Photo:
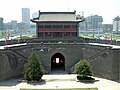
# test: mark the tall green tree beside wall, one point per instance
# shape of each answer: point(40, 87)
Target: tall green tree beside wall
point(83, 68)
point(33, 69)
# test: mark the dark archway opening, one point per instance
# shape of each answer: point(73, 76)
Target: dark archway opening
point(58, 62)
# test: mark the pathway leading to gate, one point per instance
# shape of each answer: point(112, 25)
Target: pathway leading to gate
point(59, 81)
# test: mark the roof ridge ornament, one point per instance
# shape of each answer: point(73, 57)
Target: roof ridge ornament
point(37, 18)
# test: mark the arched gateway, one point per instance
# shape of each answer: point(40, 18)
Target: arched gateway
point(57, 62)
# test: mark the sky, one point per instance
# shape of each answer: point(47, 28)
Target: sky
point(108, 9)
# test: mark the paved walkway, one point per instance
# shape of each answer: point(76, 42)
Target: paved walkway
point(59, 81)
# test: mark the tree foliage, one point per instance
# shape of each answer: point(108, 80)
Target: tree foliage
point(83, 68)
point(33, 69)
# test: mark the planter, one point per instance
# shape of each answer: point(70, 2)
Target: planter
point(86, 79)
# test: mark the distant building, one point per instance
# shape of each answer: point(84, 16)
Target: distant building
point(93, 22)
point(22, 26)
point(34, 15)
point(11, 25)
point(116, 24)
point(57, 24)
point(8, 25)
point(26, 16)
point(1, 24)
point(14, 24)
point(107, 27)
point(15, 27)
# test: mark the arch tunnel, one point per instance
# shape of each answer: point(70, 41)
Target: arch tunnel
point(58, 62)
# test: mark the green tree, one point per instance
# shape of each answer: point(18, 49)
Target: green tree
point(83, 68)
point(33, 69)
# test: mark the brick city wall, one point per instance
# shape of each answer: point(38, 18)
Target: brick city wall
point(104, 60)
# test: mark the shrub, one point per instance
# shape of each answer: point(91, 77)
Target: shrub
point(83, 68)
point(32, 69)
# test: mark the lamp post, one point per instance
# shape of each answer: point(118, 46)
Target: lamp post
point(111, 39)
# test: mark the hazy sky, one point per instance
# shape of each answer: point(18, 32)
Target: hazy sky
point(11, 9)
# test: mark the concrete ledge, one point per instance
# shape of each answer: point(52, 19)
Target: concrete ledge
point(25, 81)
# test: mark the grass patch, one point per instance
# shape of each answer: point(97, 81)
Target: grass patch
point(65, 89)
